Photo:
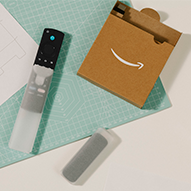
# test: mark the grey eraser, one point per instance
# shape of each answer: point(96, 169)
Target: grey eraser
point(87, 155)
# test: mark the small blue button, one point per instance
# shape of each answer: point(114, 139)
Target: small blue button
point(52, 37)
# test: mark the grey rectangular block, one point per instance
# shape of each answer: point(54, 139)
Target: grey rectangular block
point(86, 155)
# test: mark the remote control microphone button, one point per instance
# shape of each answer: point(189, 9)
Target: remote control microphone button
point(52, 37)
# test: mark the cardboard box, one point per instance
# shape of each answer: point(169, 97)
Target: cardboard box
point(129, 53)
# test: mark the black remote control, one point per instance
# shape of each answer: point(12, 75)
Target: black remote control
point(32, 105)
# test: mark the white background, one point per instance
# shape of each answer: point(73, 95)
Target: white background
point(159, 143)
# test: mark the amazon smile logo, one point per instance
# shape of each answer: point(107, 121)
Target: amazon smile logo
point(139, 64)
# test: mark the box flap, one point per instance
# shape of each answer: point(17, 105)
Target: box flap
point(147, 20)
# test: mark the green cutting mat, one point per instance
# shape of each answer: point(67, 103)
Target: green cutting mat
point(75, 108)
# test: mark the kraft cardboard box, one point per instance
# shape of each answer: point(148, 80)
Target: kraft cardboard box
point(129, 53)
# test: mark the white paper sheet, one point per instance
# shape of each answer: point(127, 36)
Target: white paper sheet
point(121, 178)
point(17, 54)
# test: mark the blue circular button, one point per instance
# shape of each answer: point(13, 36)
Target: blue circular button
point(52, 37)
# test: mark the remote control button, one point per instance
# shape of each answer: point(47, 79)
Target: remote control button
point(41, 90)
point(48, 49)
point(39, 95)
point(39, 80)
point(52, 37)
point(32, 88)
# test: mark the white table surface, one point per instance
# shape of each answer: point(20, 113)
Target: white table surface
point(159, 143)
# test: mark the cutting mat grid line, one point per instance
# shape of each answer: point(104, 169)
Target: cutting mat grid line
point(75, 107)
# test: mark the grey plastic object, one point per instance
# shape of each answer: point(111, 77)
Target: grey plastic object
point(85, 157)
point(30, 112)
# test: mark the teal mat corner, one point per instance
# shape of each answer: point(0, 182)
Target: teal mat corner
point(75, 108)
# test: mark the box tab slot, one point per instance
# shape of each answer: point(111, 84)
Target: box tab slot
point(149, 21)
